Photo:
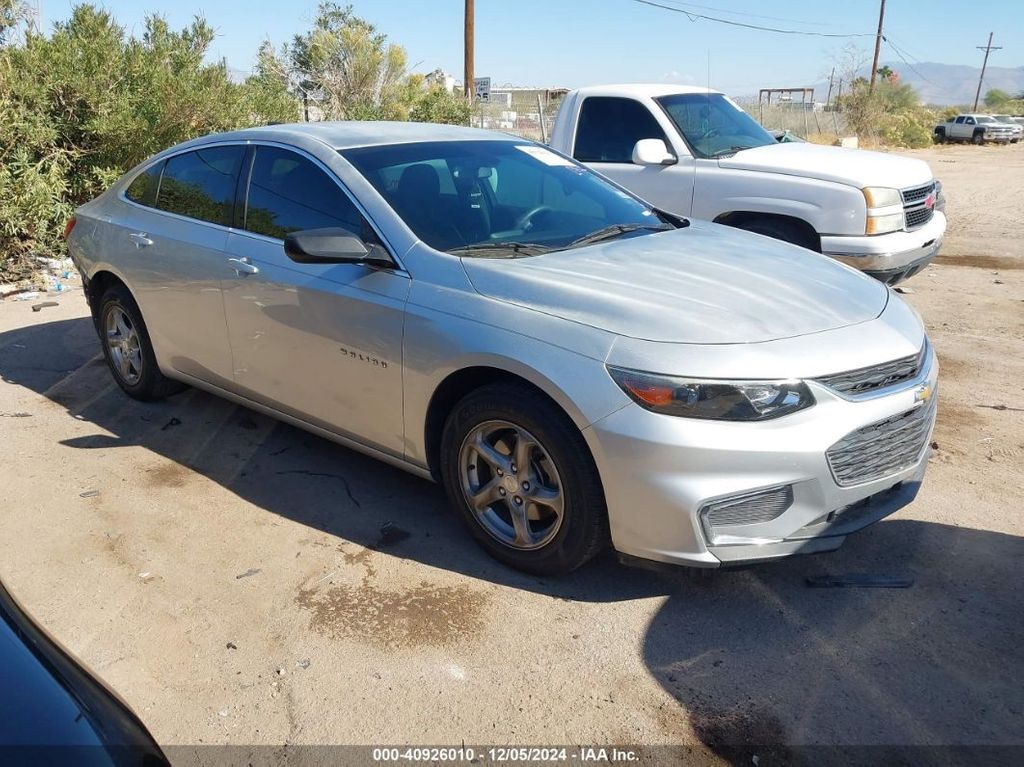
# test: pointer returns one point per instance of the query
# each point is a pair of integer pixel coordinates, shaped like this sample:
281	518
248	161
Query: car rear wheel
520	474
128	350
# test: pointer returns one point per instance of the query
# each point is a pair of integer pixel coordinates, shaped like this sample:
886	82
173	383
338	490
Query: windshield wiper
501	249
730	150
617	230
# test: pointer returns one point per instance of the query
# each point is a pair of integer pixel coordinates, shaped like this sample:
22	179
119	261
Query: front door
608	129
322	342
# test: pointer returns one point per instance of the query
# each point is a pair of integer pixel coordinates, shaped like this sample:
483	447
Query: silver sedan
576	368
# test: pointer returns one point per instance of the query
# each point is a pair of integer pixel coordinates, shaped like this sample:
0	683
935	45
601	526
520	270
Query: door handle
243	266
140	239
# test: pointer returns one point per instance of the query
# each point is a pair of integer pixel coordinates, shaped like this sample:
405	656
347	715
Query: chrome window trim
121	194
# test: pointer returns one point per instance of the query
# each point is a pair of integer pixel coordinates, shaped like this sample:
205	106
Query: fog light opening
744	509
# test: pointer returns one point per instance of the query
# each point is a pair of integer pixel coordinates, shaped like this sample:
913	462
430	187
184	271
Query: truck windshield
714	125
499	199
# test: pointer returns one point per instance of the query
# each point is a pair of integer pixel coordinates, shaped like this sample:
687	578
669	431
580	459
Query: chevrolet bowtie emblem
924	393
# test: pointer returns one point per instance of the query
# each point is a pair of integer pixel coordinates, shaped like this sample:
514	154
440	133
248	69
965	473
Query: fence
531	114
804	122
528	113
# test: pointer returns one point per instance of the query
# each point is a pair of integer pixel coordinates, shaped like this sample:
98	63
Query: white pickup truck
694	152
977	129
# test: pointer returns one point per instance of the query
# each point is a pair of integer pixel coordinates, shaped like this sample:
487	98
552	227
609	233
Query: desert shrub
82	105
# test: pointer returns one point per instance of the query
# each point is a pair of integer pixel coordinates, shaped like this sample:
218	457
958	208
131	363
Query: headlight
714	400
885	210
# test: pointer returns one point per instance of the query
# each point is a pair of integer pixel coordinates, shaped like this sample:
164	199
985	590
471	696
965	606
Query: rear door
322	342
608	128
174	231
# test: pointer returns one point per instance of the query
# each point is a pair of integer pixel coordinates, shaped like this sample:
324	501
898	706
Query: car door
174	231
321	342
606	132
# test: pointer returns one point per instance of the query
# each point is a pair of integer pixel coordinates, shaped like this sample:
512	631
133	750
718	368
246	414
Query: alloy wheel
512	485
124	345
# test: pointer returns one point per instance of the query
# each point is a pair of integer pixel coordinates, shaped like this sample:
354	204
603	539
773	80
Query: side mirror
652	151
334	245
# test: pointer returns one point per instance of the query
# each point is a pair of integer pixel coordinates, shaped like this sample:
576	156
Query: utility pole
878	48
828	98
986	48
467	75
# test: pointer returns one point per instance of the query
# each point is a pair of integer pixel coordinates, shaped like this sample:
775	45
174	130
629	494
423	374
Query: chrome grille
882	448
919	205
853	383
919	217
750	508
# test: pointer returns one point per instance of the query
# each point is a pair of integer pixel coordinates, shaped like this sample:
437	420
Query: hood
704	284
856	167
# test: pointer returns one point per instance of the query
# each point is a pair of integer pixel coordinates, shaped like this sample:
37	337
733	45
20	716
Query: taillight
68	227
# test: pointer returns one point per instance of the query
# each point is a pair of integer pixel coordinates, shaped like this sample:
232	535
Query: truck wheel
519	473
779	230
978	138
940	137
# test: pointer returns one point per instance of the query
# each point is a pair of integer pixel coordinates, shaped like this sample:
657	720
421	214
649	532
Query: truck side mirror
652	151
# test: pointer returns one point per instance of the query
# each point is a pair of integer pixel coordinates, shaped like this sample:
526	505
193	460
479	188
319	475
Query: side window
609	128
201	184
960	119
970	121
289	193
143	188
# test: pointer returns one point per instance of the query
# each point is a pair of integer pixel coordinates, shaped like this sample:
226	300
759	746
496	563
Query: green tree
84	104
352	68
995	98
438	105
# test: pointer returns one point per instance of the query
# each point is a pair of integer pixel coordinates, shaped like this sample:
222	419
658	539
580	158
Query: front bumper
660	472
892	257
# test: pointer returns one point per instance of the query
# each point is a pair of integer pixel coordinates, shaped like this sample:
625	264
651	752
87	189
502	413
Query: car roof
652	90
349	134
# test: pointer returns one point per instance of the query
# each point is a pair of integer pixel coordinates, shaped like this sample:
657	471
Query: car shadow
758	662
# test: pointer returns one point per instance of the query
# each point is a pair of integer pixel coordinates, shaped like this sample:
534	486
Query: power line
748	15
897	51
693	16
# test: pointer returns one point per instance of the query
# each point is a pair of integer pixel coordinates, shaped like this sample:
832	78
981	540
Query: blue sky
579	42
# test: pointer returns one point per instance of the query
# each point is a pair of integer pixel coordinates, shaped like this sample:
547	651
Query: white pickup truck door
608	128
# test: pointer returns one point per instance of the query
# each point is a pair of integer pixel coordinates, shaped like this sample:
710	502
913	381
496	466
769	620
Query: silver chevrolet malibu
575	367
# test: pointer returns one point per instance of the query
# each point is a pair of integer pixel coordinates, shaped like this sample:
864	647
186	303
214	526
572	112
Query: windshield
498	197
714	125
985	120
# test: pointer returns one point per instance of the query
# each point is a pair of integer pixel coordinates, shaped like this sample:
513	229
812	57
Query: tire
779	230
563	519
940	137
128	350
978	138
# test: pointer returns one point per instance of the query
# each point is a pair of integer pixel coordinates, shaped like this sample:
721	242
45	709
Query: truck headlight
711	399
885	210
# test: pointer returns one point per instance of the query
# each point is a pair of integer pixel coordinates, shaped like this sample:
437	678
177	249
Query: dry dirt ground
229	577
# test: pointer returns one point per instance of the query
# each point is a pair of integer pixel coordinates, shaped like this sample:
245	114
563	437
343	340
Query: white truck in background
694	152
977	129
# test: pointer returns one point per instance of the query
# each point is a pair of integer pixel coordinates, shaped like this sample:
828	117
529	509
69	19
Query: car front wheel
521	476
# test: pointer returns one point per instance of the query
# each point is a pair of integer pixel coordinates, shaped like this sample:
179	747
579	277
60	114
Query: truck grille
919	205
882	448
874	378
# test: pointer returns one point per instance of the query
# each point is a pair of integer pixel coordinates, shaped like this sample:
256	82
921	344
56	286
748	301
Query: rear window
201	184
143	188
